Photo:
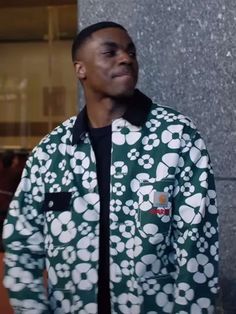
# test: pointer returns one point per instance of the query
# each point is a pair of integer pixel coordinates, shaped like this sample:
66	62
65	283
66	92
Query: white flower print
29	305
139	180
29	262
133	247
193	234
167	166
127	267
38	193
170	117
62	270
148	267
90	308
132	284
186	174
187	189
200	267
67	178
89	206
69	254
116	245
146	161
10	259
79	162
194	209
209	230
119	169
214	285
17	279
133	154
87	248
202	245
150	286
89	180
40	219
145	195
211	201
28	198
203	305
163	298
62	165
203	179
84	228
183	293
150	142
186	143
159	112
50	177
171	136
35	176
151	231
116	205
126	136
182	255
115	273
55	188
130	208
153	124
214	250
51	148
41	155
63	227
128	303
59	303
198	154
84	276
29	212
118	189
127	229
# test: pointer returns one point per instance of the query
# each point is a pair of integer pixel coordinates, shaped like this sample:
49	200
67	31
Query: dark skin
107	68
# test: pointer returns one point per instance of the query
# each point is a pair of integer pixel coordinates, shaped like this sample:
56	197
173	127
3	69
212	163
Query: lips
123	73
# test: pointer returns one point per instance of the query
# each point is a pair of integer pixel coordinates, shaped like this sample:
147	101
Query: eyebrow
112	44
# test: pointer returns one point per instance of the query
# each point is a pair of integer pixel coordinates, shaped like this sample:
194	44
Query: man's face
107	64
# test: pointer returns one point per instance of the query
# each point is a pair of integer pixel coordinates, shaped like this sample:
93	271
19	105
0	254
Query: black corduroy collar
138	107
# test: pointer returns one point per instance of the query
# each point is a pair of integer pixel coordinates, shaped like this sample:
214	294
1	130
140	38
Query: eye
132	53
109	53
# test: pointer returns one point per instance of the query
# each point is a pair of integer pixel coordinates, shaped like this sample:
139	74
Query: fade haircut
82	36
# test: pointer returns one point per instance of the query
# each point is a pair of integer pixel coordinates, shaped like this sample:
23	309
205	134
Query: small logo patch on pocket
161	199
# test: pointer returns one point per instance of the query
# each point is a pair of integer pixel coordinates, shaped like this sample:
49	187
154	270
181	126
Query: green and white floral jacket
163	220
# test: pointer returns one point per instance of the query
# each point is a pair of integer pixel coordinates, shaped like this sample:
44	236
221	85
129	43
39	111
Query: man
119	201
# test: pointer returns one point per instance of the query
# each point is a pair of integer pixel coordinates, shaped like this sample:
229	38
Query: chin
125	93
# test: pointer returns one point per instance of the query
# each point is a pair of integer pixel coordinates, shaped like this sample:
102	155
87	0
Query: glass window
37	80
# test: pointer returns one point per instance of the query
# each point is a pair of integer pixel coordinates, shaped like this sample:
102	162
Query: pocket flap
57	201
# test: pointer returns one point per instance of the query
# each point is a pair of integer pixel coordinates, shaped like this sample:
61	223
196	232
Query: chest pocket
59	228
155	205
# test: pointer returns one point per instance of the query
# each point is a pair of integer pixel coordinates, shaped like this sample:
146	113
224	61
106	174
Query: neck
102	113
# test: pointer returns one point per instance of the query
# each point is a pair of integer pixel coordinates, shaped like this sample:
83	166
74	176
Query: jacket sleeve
195	230
23	241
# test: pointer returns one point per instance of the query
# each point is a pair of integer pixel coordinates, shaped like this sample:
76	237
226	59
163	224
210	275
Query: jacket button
50	204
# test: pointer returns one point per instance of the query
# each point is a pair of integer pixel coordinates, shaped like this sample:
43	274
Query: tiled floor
4	304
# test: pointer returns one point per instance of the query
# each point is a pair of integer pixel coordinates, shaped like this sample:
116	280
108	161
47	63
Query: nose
125	58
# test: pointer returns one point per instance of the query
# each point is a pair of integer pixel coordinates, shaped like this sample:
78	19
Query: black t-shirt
101	142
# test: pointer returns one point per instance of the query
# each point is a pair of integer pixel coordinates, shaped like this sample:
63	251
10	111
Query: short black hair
82	36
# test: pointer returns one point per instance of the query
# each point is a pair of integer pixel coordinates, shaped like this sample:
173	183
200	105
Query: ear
80	70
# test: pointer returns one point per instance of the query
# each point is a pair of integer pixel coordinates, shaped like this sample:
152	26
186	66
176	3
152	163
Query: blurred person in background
9	179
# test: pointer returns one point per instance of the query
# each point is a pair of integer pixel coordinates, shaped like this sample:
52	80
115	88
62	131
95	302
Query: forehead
110	35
